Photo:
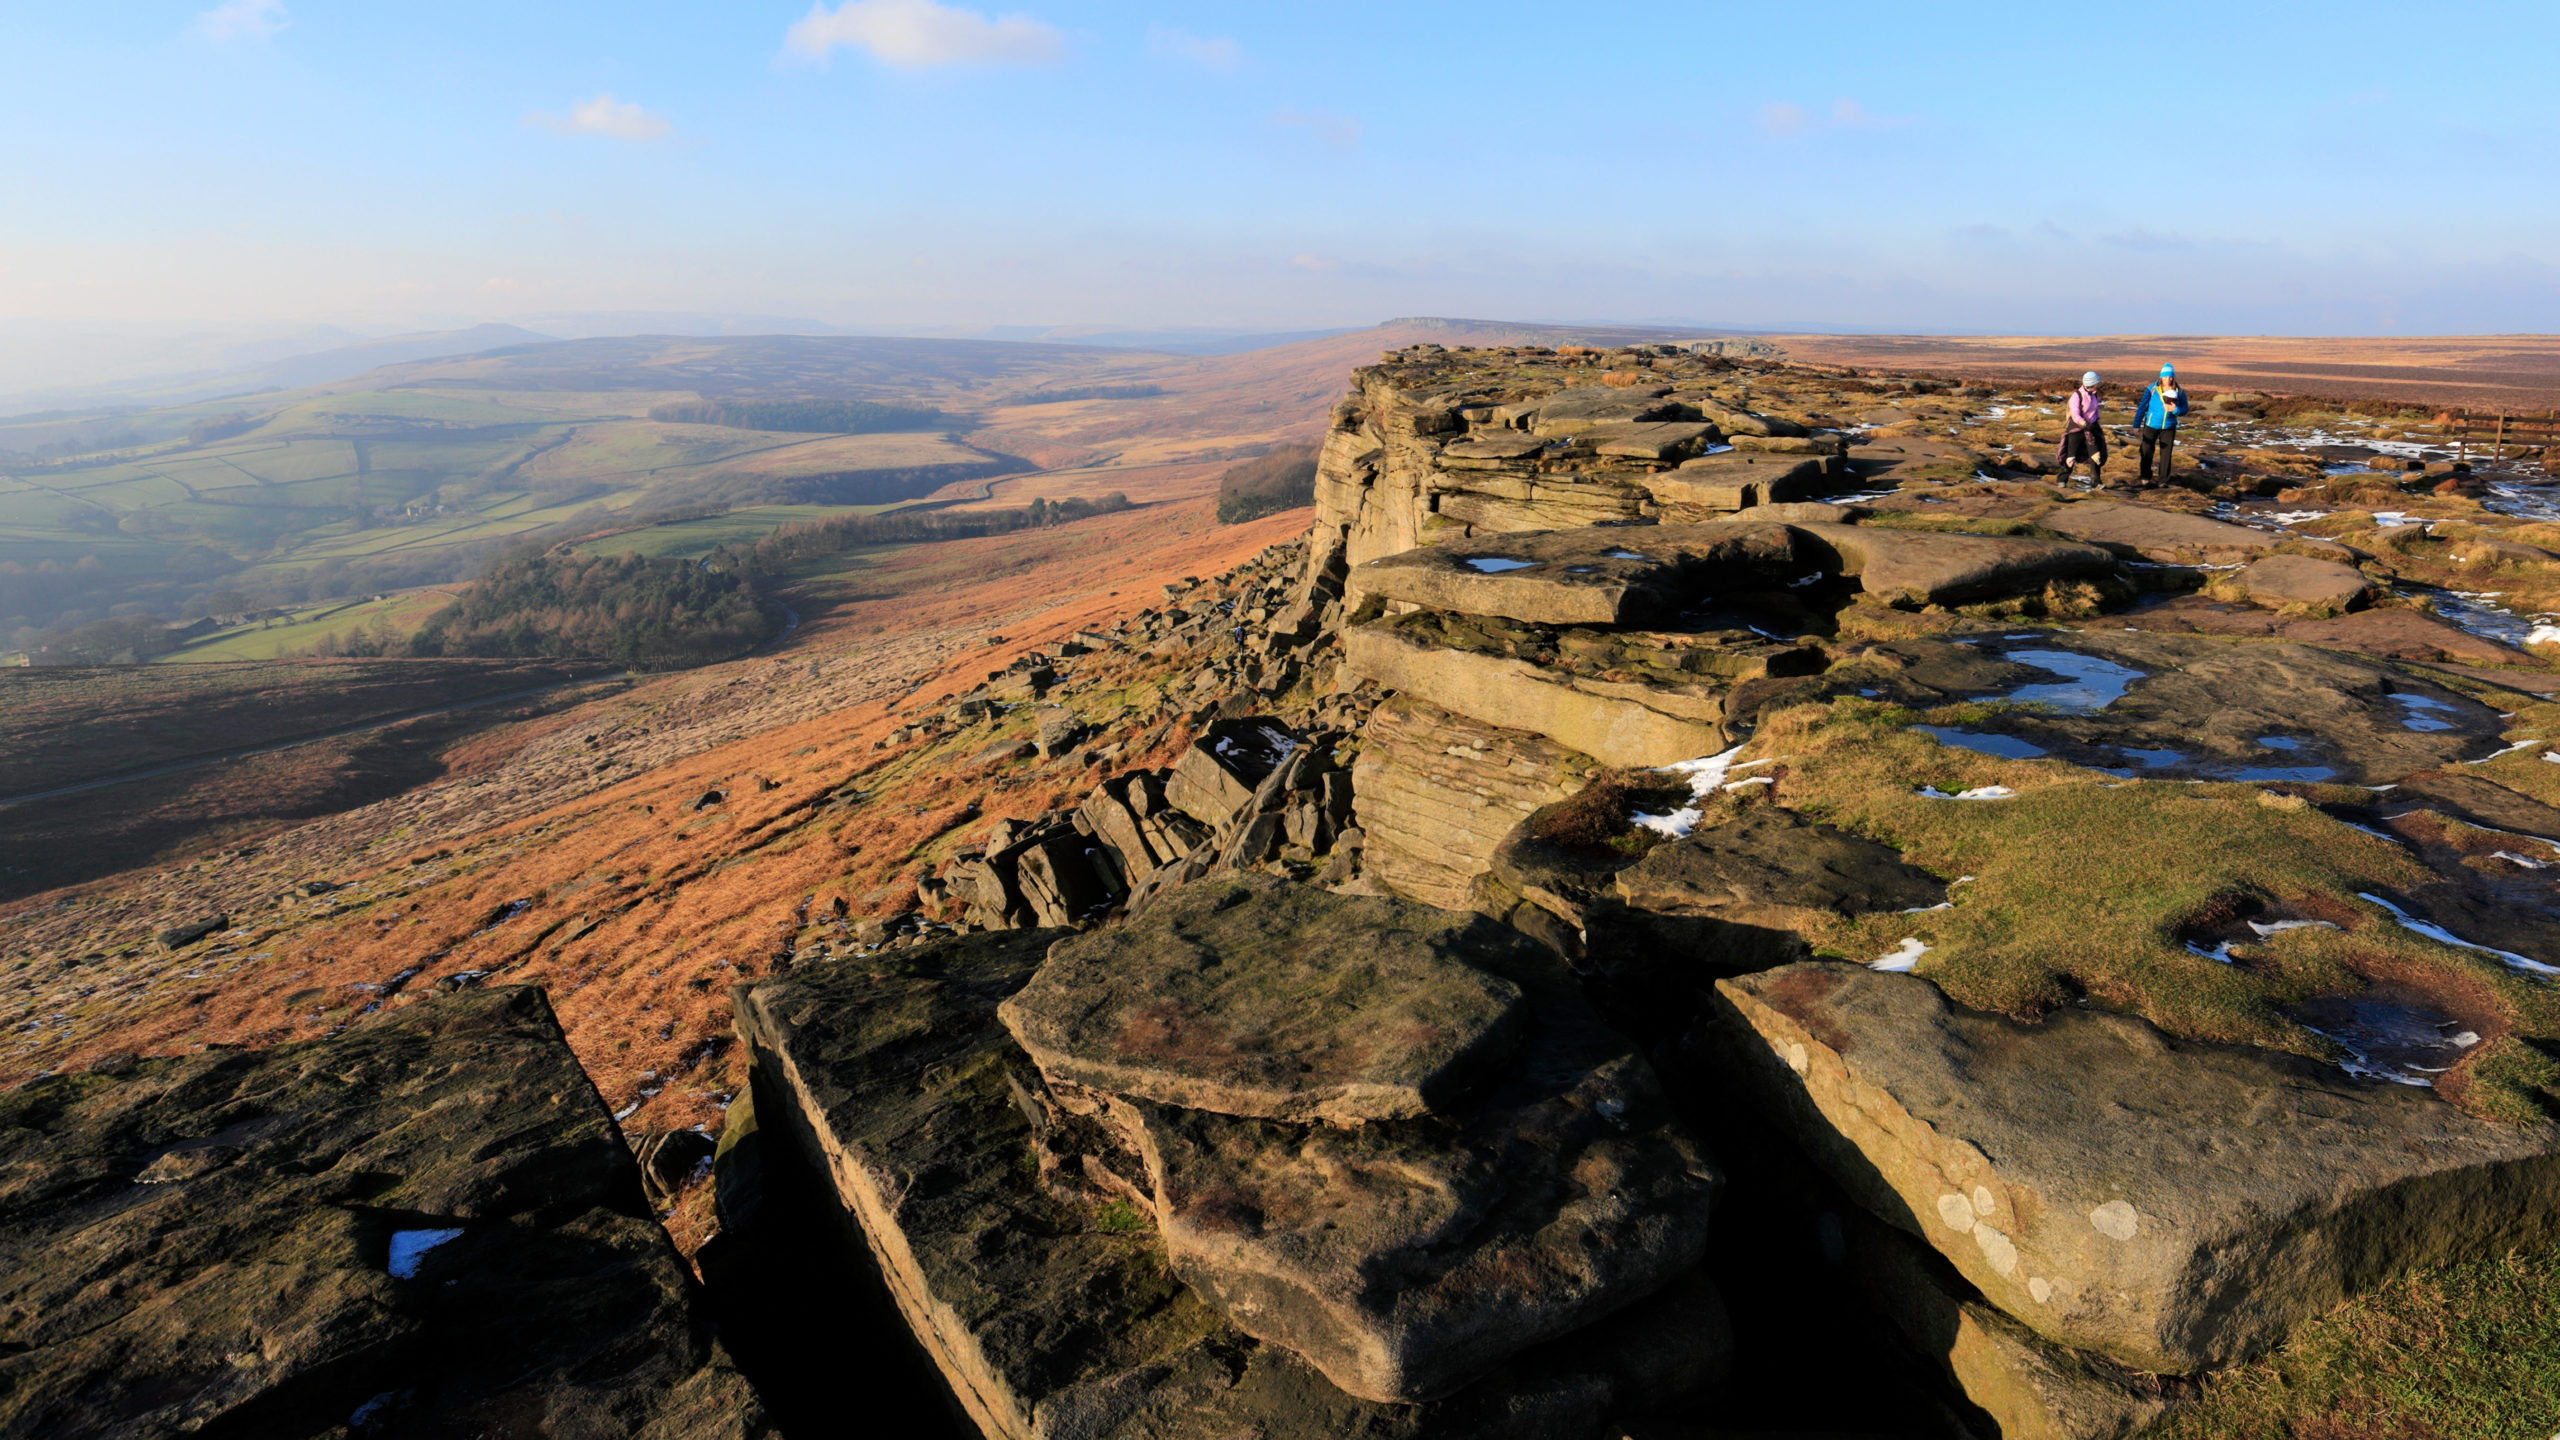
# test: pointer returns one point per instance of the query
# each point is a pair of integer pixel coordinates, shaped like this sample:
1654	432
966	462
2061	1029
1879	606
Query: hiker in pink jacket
2082	437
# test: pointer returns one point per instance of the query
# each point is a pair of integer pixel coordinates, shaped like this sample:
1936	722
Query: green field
298	633
694	538
332	495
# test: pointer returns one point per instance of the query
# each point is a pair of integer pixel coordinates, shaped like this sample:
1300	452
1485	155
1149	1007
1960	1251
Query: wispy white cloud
1339	131
604	115
242	20
919	34
1209	52
1784	118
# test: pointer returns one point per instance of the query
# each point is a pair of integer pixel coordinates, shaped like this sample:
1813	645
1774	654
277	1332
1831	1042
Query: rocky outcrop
425	1225
1046	1292
2203	1200
1415	454
1509	1171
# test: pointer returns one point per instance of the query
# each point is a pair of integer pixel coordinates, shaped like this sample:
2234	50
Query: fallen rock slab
426	1224
1249	997
2176	1207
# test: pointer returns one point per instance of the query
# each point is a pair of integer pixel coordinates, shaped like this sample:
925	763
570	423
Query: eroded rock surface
2173	1206
1406	1258
425	1225
1280	1002
1053	1310
1593	576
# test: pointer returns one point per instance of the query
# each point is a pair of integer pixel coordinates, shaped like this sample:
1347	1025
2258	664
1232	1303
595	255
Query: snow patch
408	1247
1901	957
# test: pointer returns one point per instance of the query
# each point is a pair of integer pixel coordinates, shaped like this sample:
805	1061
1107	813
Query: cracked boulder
2172	1206
1253	998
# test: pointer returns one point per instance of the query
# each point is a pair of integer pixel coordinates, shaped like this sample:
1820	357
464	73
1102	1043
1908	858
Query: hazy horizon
241	169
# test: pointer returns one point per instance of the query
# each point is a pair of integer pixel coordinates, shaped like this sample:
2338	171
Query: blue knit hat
2168	370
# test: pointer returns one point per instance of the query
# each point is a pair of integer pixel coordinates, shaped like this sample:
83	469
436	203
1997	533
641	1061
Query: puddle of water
1495	564
2276	774
2389	1032
2436	932
2093	684
2153	759
2418	717
2525	502
1625	555
2471	610
2007	747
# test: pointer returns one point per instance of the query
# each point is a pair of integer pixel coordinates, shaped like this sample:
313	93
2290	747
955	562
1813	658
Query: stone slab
2167	536
1249	997
1405	1258
1436	793
1516	694
1050	1320
1737	480
1608	575
2281	580
430	1218
1930	567
2175	1207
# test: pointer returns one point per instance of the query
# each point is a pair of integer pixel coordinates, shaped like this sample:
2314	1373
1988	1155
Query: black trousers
2166	441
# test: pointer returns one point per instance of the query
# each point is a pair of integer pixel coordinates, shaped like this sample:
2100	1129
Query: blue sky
2335	168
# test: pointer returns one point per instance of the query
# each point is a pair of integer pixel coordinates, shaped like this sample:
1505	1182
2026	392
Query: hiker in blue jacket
2155	420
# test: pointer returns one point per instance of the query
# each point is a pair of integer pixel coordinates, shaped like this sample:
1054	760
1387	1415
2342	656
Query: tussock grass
2465	1352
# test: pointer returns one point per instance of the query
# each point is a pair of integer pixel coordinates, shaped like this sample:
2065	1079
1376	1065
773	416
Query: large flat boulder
1054	1318
1617	722
1405	1258
1931	567
1774	868
2168	536
1250	997
2176	1207
1612	575
2278	581
426	1225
